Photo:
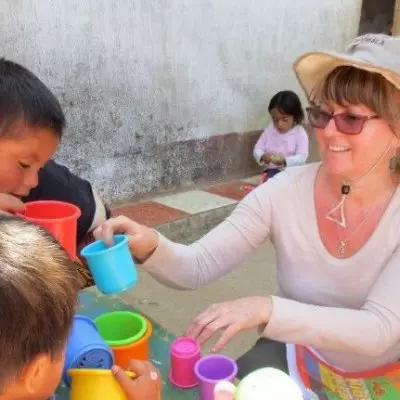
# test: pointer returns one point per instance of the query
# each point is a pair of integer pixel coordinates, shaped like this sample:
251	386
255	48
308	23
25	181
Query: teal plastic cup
112	267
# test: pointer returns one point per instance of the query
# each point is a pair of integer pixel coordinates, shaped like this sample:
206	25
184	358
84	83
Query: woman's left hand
232	317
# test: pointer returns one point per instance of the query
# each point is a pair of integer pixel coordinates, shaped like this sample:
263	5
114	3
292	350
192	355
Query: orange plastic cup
139	350
58	218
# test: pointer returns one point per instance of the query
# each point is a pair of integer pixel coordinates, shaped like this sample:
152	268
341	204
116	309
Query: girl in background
284	142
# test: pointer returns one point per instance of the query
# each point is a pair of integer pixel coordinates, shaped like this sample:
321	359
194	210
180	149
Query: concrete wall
151	88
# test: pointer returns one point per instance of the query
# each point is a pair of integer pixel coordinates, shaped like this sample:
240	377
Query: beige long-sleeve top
346	309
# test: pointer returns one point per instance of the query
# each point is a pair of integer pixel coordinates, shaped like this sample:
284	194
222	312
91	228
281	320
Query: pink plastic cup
185	352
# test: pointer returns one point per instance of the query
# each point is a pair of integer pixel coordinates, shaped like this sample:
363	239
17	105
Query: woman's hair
349	85
25	98
288	103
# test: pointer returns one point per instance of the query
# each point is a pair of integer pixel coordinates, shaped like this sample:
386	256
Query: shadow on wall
377	16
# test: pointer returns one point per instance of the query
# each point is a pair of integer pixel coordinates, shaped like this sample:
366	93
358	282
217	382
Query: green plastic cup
120	328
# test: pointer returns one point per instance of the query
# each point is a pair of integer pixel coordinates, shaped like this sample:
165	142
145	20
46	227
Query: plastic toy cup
113	268
210	370
139	350
185	352
119	328
95	384
58	218
86	348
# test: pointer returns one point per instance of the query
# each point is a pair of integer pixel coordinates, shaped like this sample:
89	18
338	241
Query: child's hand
10	204
224	390
278	159
266	157
147	384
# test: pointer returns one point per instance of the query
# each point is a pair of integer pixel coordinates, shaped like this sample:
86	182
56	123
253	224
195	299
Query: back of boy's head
289	103
25	98
38	296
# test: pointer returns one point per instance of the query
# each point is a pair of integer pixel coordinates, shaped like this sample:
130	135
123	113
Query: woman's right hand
10	204
142	240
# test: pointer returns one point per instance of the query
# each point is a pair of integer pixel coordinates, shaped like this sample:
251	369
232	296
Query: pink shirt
293	145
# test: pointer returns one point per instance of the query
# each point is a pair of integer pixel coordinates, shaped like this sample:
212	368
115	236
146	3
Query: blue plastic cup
86	348
113	268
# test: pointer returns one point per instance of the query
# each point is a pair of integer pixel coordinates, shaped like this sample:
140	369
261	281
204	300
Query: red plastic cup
185	352
58	218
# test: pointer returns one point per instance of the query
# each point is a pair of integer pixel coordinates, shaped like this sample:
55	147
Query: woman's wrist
153	245
265	308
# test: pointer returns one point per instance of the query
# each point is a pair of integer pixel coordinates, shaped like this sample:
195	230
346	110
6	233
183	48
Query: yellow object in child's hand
277	159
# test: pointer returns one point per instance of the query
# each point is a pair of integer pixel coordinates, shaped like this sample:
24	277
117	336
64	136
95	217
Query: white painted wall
134	73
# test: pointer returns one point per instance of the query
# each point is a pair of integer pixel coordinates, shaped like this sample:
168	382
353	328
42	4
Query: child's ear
34	374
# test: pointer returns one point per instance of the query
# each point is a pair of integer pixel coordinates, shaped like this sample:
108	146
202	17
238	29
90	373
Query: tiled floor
149	212
163	209
235	190
195	201
253	180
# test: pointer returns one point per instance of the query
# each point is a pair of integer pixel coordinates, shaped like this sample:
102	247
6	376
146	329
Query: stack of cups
128	335
185	352
212	369
86	348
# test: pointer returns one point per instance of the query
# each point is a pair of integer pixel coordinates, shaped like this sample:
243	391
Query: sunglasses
347	123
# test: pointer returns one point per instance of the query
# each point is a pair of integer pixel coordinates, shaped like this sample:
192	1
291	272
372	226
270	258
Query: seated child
31	127
284	142
39	295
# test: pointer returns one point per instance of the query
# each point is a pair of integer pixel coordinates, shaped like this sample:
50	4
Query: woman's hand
10	204
142	240
232	317
146	385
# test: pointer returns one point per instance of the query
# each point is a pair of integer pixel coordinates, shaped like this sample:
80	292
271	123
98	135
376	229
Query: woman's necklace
343	242
345	190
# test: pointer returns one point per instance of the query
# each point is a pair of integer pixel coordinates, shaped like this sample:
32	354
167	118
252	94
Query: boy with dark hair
31	127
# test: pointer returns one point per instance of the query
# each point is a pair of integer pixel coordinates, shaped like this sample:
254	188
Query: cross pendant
342	247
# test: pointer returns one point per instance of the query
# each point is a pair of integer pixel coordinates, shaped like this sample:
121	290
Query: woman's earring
394	164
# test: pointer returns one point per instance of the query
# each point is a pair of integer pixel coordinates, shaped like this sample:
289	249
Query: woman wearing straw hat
335	227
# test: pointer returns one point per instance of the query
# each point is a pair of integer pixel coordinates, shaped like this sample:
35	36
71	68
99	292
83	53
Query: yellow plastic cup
95	384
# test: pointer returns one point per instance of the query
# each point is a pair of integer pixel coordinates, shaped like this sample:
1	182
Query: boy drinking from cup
31	127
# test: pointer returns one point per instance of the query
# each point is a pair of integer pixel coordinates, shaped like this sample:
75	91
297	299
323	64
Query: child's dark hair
288	103
38	296
25	98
